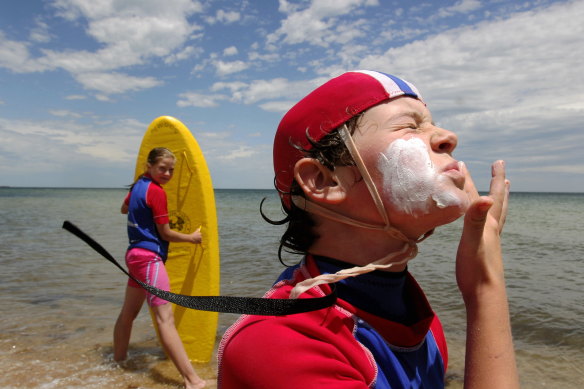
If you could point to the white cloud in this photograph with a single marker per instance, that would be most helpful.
(64, 113)
(263, 57)
(227, 16)
(103, 98)
(239, 153)
(259, 90)
(229, 51)
(40, 33)
(317, 24)
(265, 90)
(405, 33)
(15, 56)
(462, 6)
(237, 164)
(129, 33)
(213, 135)
(223, 68)
(187, 52)
(75, 97)
(99, 9)
(42, 146)
(99, 149)
(277, 106)
(77, 62)
(192, 99)
(141, 35)
(112, 83)
(271, 91)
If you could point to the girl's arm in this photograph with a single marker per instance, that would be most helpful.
(490, 356)
(174, 236)
(125, 203)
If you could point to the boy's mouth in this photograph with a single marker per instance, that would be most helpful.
(454, 171)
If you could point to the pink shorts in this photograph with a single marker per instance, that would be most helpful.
(147, 267)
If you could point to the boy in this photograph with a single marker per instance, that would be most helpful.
(364, 175)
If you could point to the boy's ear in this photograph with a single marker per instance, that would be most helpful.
(318, 182)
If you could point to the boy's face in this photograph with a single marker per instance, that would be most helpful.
(410, 160)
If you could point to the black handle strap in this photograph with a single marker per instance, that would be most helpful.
(227, 304)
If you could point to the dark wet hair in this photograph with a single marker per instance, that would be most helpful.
(299, 235)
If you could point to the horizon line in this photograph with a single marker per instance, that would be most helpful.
(271, 189)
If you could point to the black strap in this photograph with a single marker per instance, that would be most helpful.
(227, 304)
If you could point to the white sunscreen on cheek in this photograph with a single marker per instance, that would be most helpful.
(410, 180)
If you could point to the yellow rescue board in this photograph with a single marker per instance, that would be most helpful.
(193, 269)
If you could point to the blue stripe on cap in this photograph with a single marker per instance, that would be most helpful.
(405, 87)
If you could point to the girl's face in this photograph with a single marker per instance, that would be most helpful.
(162, 171)
(410, 160)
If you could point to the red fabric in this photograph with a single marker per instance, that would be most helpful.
(156, 200)
(438, 333)
(313, 350)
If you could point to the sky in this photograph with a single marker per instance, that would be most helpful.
(81, 80)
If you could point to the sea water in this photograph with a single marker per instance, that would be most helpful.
(60, 299)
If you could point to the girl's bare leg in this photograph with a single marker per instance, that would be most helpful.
(123, 328)
(174, 347)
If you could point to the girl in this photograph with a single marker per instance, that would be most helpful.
(149, 234)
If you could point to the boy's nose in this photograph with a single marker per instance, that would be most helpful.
(443, 141)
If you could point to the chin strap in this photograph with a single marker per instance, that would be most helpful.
(350, 144)
(383, 263)
(407, 253)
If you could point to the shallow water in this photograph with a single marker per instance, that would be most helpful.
(60, 298)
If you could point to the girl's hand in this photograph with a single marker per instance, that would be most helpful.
(174, 236)
(479, 261)
(196, 236)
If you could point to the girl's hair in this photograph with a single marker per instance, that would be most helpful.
(330, 151)
(155, 155)
(159, 153)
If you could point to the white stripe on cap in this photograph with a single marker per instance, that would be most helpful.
(392, 88)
